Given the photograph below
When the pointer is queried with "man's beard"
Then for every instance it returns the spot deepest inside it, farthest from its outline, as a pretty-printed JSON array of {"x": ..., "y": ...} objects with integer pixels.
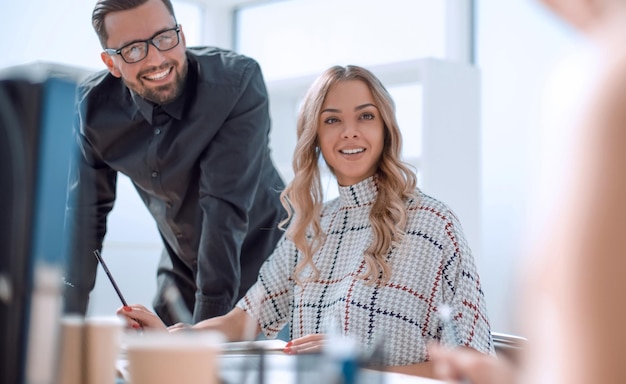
[{"x": 162, "y": 94}]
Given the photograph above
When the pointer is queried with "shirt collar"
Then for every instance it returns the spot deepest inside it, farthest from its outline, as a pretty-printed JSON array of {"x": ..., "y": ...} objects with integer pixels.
[{"x": 175, "y": 108}]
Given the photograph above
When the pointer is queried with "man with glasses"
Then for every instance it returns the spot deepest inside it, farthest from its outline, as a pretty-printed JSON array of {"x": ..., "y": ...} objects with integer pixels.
[{"x": 190, "y": 128}]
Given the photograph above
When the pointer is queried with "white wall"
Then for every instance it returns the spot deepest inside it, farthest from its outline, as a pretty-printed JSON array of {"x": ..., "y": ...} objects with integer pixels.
[
  {"x": 518, "y": 45},
  {"x": 52, "y": 31}
]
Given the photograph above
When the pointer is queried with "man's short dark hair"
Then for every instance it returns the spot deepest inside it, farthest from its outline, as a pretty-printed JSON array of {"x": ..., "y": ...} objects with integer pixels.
[{"x": 104, "y": 7}]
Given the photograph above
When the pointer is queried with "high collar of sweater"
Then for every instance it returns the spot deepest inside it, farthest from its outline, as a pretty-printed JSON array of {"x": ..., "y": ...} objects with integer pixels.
[{"x": 362, "y": 193}]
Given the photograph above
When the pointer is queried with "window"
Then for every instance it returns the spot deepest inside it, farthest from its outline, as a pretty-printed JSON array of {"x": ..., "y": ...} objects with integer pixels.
[
  {"x": 300, "y": 37},
  {"x": 190, "y": 15}
]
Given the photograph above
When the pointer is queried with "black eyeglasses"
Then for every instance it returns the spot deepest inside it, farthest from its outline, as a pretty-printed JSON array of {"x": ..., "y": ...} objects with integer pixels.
[{"x": 138, "y": 50}]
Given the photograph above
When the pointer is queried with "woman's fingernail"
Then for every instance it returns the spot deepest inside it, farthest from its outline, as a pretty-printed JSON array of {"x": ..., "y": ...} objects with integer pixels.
[
  {"x": 288, "y": 351},
  {"x": 127, "y": 308},
  {"x": 136, "y": 326},
  {"x": 288, "y": 344}
]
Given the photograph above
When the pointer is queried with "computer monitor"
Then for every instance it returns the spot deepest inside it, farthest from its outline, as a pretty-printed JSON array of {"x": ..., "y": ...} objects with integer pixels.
[{"x": 36, "y": 119}]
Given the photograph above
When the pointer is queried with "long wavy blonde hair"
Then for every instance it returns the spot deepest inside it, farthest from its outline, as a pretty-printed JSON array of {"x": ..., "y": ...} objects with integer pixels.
[{"x": 303, "y": 197}]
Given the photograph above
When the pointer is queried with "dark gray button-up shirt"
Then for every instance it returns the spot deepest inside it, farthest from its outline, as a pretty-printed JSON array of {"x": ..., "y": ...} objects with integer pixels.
[{"x": 201, "y": 165}]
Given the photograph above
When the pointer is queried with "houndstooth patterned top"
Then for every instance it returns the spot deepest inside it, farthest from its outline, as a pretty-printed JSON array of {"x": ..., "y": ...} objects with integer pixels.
[{"x": 432, "y": 265}]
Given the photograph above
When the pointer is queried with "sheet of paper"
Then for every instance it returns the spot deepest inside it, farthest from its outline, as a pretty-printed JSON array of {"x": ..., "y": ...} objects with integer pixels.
[{"x": 253, "y": 346}]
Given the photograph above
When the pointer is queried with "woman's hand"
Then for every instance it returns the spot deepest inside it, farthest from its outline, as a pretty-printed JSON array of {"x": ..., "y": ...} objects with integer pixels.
[
  {"x": 138, "y": 317},
  {"x": 458, "y": 364},
  {"x": 179, "y": 327},
  {"x": 306, "y": 344}
]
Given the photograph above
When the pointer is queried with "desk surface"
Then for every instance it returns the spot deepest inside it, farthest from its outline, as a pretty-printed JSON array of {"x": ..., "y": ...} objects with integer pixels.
[
  {"x": 302, "y": 369},
  {"x": 277, "y": 367}
]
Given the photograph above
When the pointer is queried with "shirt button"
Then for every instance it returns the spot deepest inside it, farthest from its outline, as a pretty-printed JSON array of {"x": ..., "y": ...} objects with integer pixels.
[
  {"x": 155, "y": 174},
  {"x": 179, "y": 235},
  {"x": 157, "y": 131}
]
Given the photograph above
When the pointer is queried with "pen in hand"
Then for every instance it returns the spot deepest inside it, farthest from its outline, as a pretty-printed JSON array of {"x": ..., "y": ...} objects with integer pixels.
[
  {"x": 106, "y": 269},
  {"x": 117, "y": 289}
]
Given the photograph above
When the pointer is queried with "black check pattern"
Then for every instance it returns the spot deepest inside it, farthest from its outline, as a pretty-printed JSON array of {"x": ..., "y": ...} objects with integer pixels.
[{"x": 433, "y": 265}]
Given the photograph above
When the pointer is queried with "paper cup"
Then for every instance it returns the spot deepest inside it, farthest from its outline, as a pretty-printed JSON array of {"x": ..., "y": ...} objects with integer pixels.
[
  {"x": 102, "y": 346},
  {"x": 188, "y": 357},
  {"x": 71, "y": 350}
]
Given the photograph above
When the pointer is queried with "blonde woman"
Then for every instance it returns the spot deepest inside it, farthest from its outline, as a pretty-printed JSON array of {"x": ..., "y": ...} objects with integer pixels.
[{"x": 374, "y": 264}]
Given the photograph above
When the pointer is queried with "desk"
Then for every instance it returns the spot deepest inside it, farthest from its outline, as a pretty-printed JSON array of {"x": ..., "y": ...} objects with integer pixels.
[
  {"x": 302, "y": 369},
  {"x": 245, "y": 368}
]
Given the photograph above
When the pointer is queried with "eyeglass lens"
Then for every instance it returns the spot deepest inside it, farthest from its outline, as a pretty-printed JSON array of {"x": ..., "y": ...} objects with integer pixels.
[{"x": 138, "y": 51}]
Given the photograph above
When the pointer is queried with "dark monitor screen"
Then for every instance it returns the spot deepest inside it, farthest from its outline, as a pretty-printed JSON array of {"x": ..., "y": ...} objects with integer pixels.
[{"x": 36, "y": 118}]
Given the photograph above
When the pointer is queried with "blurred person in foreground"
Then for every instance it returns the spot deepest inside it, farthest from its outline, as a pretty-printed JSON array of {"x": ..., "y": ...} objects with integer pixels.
[
  {"x": 189, "y": 127},
  {"x": 573, "y": 306},
  {"x": 375, "y": 264}
]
